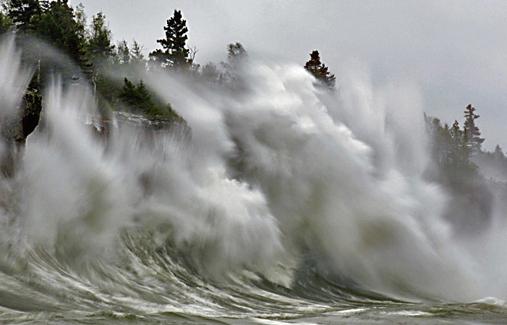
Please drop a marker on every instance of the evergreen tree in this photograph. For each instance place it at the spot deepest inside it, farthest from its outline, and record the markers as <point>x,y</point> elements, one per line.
<point>80,17</point>
<point>85,59</point>
<point>22,12</point>
<point>459,153</point>
<point>320,70</point>
<point>210,72</point>
<point>140,100</point>
<point>498,153</point>
<point>235,53</point>
<point>99,51</point>
<point>471,131</point>
<point>136,97</point>
<point>136,53</point>
<point>230,74</point>
<point>100,43</point>
<point>456,133</point>
<point>451,155</point>
<point>174,53</point>
<point>5,23</point>
<point>123,53</point>
<point>58,26</point>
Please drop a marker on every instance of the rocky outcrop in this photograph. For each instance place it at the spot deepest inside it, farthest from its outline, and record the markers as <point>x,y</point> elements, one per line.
<point>15,129</point>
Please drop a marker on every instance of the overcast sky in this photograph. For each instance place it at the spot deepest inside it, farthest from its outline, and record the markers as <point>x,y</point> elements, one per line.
<point>455,50</point>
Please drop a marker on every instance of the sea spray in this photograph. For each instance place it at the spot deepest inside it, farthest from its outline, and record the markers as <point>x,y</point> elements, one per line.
<point>277,178</point>
<point>365,206</point>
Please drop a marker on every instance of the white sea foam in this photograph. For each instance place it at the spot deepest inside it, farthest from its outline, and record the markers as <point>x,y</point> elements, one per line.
<point>279,168</point>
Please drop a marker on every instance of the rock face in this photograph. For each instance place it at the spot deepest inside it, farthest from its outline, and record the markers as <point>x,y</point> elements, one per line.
<point>15,130</point>
<point>139,120</point>
<point>11,141</point>
<point>9,154</point>
<point>152,126</point>
<point>31,113</point>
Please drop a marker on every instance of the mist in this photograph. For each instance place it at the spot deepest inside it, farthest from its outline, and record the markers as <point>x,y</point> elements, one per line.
<point>257,188</point>
<point>453,50</point>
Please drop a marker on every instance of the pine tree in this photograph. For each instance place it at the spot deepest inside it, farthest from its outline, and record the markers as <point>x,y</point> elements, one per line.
<point>99,52</point>
<point>5,23</point>
<point>123,52</point>
<point>22,12</point>
<point>451,152</point>
<point>100,43</point>
<point>85,58</point>
<point>459,152</point>
<point>58,26</point>
<point>471,131</point>
<point>235,53</point>
<point>231,69</point>
<point>498,153</point>
<point>174,53</point>
<point>135,96</point>
<point>139,99</point>
<point>320,70</point>
<point>210,72</point>
<point>136,53</point>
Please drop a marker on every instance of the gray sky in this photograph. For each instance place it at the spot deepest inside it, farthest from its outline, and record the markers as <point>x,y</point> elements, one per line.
<point>455,50</point>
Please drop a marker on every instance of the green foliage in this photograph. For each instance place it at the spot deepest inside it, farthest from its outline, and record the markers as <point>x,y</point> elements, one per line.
<point>174,53</point>
<point>135,96</point>
<point>65,28</point>
<point>450,151</point>
<point>23,12</point>
<point>123,53</point>
<point>108,89</point>
<point>458,173</point>
<point>140,100</point>
<point>99,52</point>
<point>210,73</point>
<point>453,149</point>
<point>132,55</point>
<point>320,70</point>
<point>136,53</point>
<point>57,26</point>
<point>100,41</point>
<point>5,23</point>
<point>471,131</point>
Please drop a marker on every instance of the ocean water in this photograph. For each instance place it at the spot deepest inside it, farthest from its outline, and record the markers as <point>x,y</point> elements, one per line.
<point>277,203</point>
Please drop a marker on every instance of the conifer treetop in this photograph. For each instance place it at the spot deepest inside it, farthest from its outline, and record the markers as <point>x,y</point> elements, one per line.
<point>174,53</point>
<point>319,70</point>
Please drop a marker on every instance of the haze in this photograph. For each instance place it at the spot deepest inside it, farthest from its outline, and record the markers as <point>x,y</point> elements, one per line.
<point>455,51</point>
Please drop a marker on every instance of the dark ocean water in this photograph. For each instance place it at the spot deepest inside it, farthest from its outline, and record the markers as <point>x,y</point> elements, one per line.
<point>154,284</point>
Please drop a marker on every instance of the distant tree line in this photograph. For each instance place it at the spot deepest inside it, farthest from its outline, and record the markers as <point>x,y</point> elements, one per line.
<point>457,153</point>
<point>456,149</point>
<point>91,50</point>
<point>454,146</point>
